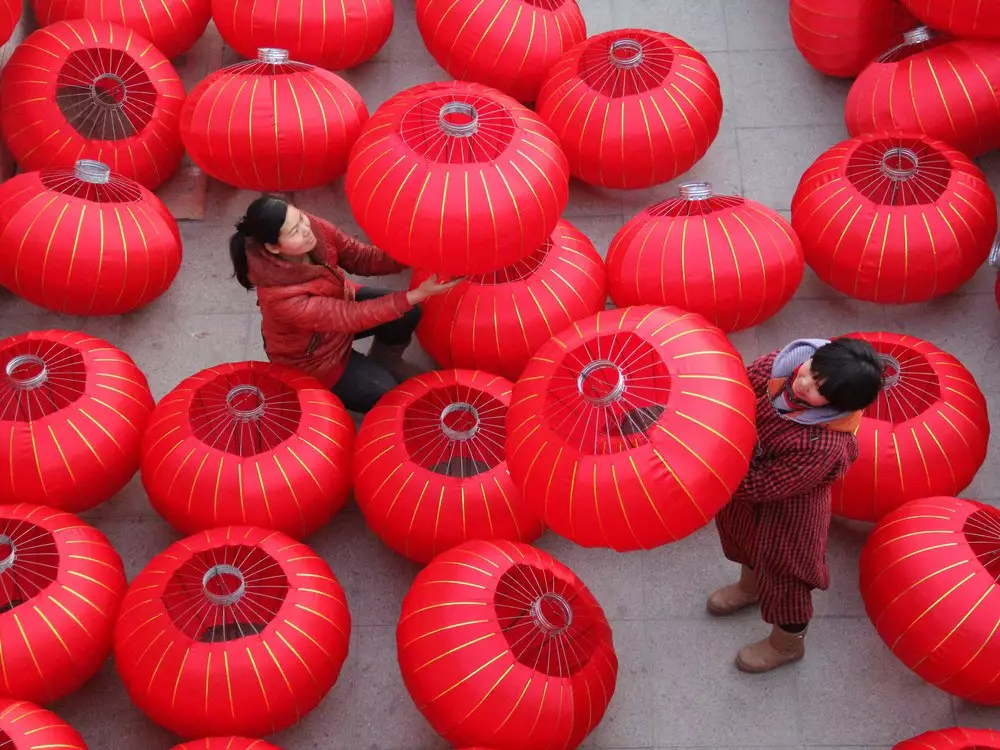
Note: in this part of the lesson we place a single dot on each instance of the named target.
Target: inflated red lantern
(92, 90)
(72, 412)
(227, 743)
(632, 428)
(632, 107)
(331, 34)
(82, 241)
(457, 178)
(894, 218)
(925, 435)
(173, 26)
(840, 37)
(61, 583)
(10, 14)
(955, 738)
(941, 88)
(248, 443)
(728, 258)
(272, 124)
(26, 725)
(507, 45)
(237, 630)
(499, 642)
(429, 469)
(928, 579)
(495, 321)
(979, 18)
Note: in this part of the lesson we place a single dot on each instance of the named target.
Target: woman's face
(805, 387)
(296, 237)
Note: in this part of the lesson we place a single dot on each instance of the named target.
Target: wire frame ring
(27, 382)
(552, 625)
(459, 129)
(695, 191)
(92, 172)
(272, 56)
(246, 414)
(918, 35)
(614, 393)
(8, 562)
(226, 598)
(626, 53)
(460, 407)
(891, 369)
(899, 163)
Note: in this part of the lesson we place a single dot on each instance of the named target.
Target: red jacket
(309, 313)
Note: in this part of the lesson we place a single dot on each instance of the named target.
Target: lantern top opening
(467, 412)
(218, 585)
(245, 402)
(272, 55)
(696, 191)
(459, 119)
(919, 35)
(27, 372)
(7, 543)
(626, 53)
(552, 613)
(91, 171)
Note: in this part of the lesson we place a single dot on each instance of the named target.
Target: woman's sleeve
(317, 313)
(358, 257)
(795, 473)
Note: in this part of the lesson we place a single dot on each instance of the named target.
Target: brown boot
(777, 650)
(390, 356)
(736, 596)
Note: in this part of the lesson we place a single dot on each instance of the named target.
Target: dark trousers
(365, 381)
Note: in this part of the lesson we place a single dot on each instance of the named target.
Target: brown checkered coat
(779, 517)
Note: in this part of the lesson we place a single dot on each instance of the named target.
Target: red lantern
(72, 412)
(92, 90)
(507, 45)
(926, 434)
(928, 579)
(840, 37)
(979, 18)
(26, 725)
(499, 642)
(248, 443)
(173, 26)
(956, 738)
(325, 33)
(236, 630)
(227, 743)
(271, 124)
(595, 448)
(942, 89)
(894, 218)
(61, 583)
(457, 178)
(495, 321)
(84, 242)
(429, 466)
(632, 107)
(10, 14)
(730, 259)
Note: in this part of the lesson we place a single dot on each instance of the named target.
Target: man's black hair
(849, 373)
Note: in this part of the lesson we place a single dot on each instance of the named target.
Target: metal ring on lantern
(460, 435)
(628, 45)
(97, 94)
(995, 251)
(888, 361)
(919, 35)
(459, 130)
(8, 562)
(903, 155)
(542, 620)
(92, 171)
(246, 415)
(272, 55)
(29, 383)
(230, 597)
(590, 369)
(695, 191)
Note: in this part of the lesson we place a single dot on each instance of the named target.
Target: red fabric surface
(251, 668)
(650, 466)
(85, 249)
(728, 258)
(61, 598)
(632, 127)
(422, 492)
(496, 321)
(30, 726)
(955, 738)
(507, 45)
(942, 89)
(288, 469)
(331, 34)
(283, 127)
(894, 241)
(926, 435)
(979, 18)
(928, 579)
(840, 37)
(73, 441)
(456, 204)
(10, 14)
(479, 666)
(138, 139)
(227, 743)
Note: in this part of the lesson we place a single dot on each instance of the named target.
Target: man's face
(805, 387)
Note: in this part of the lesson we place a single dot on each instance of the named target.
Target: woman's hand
(430, 287)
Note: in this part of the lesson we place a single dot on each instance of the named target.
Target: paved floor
(677, 686)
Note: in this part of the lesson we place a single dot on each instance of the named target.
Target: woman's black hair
(849, 373)
(262, 223)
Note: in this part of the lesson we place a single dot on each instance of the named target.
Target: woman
(312, 313)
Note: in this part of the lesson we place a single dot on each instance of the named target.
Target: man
(809, 401)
